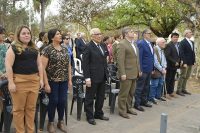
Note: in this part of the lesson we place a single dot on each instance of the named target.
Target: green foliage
(162, 16)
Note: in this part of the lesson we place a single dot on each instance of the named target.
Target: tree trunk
(42, 15)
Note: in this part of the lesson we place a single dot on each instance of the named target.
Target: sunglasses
(67, 38)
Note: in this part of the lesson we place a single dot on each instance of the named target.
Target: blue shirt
(163, 64)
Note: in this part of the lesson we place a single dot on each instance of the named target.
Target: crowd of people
(146, 71)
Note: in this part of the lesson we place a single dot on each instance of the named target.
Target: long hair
(51, 34)
(18, 43)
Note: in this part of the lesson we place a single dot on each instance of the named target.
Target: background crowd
(146, 69)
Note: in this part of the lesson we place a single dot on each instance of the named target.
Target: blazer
(80, 45)
(187, 53)
(172, 56)
(127, 60)
(146, 56)
(95, 63)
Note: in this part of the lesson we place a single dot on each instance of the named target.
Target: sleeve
(121, 59)
(140, 48)
(156, 63)
(168, 54)
(86, 62)
(45, 52)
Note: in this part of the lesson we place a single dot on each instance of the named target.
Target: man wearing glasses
(95, 73)
(146, 56)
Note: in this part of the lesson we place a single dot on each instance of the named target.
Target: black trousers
(170, 80)
(142, 89)
(98, 90)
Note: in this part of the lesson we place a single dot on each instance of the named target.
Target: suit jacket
(146, 56)
(172, 56)
(187, 53)
(94, 63)
(80, 45)
(127, 60)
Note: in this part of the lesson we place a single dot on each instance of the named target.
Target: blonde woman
(25, 77)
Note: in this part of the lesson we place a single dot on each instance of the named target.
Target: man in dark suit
(80, 45)
(187, 54)
(173, 63)
(95, 73)
(128, 70)
(146, 56)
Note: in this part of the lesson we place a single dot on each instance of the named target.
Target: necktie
(100, 49)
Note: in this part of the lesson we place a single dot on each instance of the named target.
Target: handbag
(156, 74)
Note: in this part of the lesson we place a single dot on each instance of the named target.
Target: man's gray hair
(93, 30)
(186, 32)
(125, 30)
(145, 31)
(160, 39)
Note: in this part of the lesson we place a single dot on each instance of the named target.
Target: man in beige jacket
(128, 70)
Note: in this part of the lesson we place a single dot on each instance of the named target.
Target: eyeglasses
(67, 38)
(148, 33)
(98, 34)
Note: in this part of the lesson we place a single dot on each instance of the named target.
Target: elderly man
(128, 69)
(160, 64)
(95, 73)
(187, 54)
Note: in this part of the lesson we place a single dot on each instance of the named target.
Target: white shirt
(39, 44)
(150, 46)
(190, 42)
(133, 45)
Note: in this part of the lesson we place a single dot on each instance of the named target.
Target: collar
(147, 41)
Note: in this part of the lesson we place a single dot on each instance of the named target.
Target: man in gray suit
(128, 71)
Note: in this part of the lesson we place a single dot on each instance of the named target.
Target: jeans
(57, 99)
(156, 86)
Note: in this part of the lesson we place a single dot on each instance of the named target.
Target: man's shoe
(131, 112)
(173, 95)
(162, 99)
(102, 118)
(186, 92)
(124, 115)
(147, 105)
(153, 101)
(180, 93)
(91, 121)
(139, 108)
(51, 128)
(61, 126)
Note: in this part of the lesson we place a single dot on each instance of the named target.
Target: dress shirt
(150, 46)
(190, 42)
(163, 64)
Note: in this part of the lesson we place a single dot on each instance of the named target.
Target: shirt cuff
(87, 79)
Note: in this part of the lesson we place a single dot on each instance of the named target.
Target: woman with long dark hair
(57, 77)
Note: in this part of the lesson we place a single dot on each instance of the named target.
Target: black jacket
(94, 63)
(187, 53)
(172, 56)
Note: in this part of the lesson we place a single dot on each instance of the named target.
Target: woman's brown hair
(18, 44)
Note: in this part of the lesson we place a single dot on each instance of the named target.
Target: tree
(82, 11)
(40, 6)
(162, 16)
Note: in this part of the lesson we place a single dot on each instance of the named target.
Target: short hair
(11, 33)
(174, 34)
(145, 31)
(125, 30)
(116, 36)
(2, 30)
(92, 31)
(186, 31)
(159, 39)
(105, 38)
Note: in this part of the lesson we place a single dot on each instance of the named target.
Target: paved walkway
(183, 117)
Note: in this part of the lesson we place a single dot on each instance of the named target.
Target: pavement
(183, 117)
